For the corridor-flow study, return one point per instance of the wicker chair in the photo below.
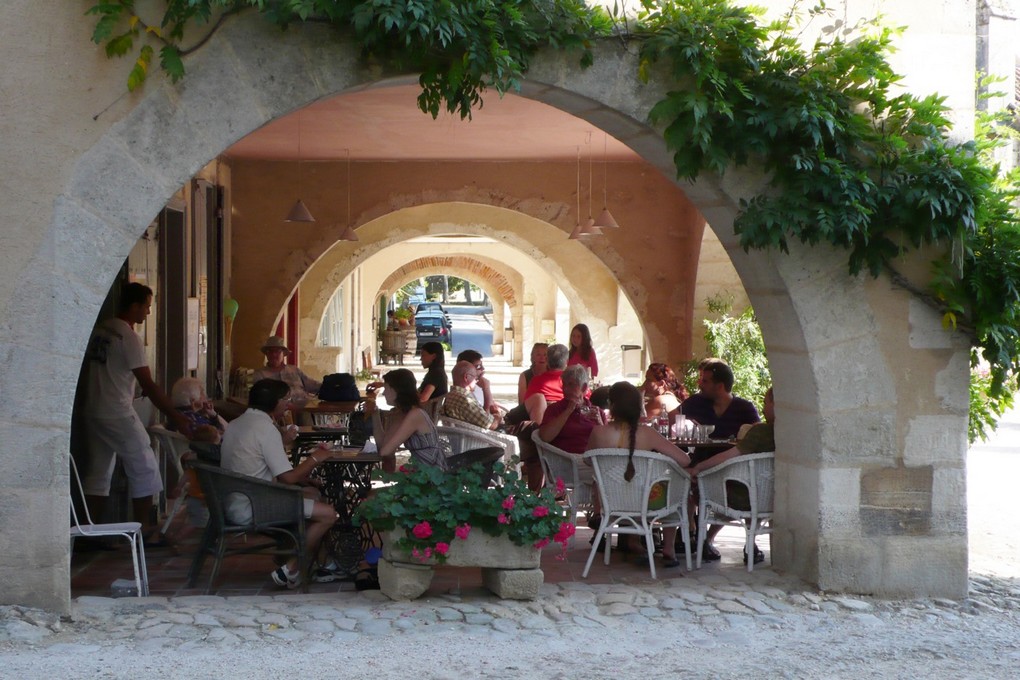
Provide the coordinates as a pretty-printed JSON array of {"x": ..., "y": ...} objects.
[
  {"x": 755, "y": 471},
  {"x": 625, "y": 505},
  {"x": 558, "y": 464},
  {"x": 511, "y": 445},
  {"x": 277, "y": 514}
]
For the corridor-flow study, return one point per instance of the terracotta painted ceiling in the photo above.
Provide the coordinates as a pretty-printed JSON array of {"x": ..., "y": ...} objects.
[{"x": 384, "y": 123}]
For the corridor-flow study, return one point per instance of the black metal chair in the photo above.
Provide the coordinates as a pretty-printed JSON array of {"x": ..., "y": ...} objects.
[{"x": 277, "y": 513}]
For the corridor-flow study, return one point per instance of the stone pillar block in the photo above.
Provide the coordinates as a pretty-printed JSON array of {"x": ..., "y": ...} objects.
[
  {"x": 399, "y": 581},
  {"x": 513, "y": 584}
]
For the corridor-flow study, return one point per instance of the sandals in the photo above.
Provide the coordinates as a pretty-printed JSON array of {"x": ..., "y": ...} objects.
[{"x": 670, "y": 562}]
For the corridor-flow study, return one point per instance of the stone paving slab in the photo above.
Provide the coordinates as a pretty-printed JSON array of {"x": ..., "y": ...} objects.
[{"x": 720, "y": 605}]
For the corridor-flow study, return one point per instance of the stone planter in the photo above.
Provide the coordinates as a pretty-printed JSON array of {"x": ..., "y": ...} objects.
[{"x": 508, "y": 570}]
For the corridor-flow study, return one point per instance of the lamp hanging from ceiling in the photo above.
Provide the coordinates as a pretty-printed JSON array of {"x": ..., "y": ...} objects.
[
  {"x": 300, "y": 212},
  {"x": 589, "y": 225},
  {"x": 605, "y": 217},
  {"x": 348, "y": 234},
  {"x": 578, "y": 231}
]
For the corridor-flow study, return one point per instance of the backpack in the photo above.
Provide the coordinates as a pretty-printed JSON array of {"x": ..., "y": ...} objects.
[{"x": 339, "y": 387}]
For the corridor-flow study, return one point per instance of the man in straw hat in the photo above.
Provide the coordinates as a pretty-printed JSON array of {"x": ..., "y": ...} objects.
[{"x": 302, "y": 388}]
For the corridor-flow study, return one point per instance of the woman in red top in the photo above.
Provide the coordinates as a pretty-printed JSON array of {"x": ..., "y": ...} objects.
[{"x": 581, "y": 351}]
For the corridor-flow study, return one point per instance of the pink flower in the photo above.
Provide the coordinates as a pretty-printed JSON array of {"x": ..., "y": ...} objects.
[
  {"x": 428, "y": 553},
  {"x": 560, "y": 486},
  {"x": 442, "y": 548},
  {"x": 503, "y": 519},
  {"x": 540, "y": 511},
  {"x": 508, "y": 504},
  {"x": 563, "y": 535},
  {"x": 462, "y": 531},
  {"x": 404, "y": 469},
  {"x": 541, "y": 544},
  {"x": 422, "y": 531},
  {"x": 416, "y": 554}
]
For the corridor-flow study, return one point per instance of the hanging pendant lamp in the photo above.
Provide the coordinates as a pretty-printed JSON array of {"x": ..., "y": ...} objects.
[
  {"x": 590, "y": 227},
  {"x": 578, "y": 231},
  {"x": 348, "y": 233},
  {"x": 606, "y": 218},
  {"x": 300, "y": 212}
]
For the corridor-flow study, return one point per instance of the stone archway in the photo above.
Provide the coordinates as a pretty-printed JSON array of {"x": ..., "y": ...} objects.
[{"x": 867, "y": 384}]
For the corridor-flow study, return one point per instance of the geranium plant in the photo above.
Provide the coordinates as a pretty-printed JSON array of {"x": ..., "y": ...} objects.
[{"x": 433, "y": 509}]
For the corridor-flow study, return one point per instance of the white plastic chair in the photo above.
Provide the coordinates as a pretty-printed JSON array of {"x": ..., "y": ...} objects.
[
  {"x": 756, "y": 471},
  {"x": 559, "y": 464},
  {"x": 172, "y": 447},
  {"x": 511, "y": 445},
  {"x": 625, "y": 504},
  {"x": 132, "y": 531}
]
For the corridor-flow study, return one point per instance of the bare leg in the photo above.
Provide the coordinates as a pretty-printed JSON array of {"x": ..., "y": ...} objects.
[{"x": 323, "y": 517}]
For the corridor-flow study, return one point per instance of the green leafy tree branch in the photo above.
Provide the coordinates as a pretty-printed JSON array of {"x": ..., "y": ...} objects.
[{"x": 851, "y": 160}]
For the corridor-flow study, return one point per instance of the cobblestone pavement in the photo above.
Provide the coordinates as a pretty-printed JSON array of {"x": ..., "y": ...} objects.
[{"x": 746, "y": 623}]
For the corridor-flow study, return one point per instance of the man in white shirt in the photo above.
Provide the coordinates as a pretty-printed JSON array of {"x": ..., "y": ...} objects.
[
  {"x": 253, "y": 446},
  {"x": 116, "y": 365}
]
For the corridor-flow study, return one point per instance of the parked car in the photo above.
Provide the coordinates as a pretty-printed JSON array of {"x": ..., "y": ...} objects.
[
  {"x": 433, "y": 307},
  {"x": 430, "y": 326}
]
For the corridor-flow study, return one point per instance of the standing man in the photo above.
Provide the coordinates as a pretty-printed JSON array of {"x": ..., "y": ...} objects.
[{"x": 116, "y": 365}]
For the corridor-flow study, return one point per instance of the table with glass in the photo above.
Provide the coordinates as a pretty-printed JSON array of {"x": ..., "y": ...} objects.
[{"x": 345, "y": 479}]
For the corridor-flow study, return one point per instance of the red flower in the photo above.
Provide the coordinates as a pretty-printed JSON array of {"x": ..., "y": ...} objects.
[
  {"x": 541, "y": 544},
  {"x": 503, "y": 519},
  {"x": 442, "y": 548},
  {"x": 428, "y": 553},
  {"x": 540, "y": 511},
  {"x": 563, "y": 535},
  {"x": 560, "y": 486},
  {"x": 404, "y": 469},
  {"x": 508, "y": 504},
  {"x": 422, "y": 531},
  {"x": 462, "y": 531}
]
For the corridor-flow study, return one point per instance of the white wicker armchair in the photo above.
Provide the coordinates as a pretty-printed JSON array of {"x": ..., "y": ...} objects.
[
  {"x": 558, "y": 464},
  {"x": 510, "y": 443},
  {"x": 625, "y": 504},
  {"x": 756, "y": 471}
]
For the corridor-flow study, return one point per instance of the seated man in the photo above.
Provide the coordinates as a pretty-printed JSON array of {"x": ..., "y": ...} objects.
[
  {"x": 188, "y": 397},
  {"x": 302, "y": 387},
  {"x": 460, "y": 403},
  {"x": 546, "y": 388},
  {"x": 253, "y": 446},
  {"x": 482, "y": 390},
  {"x": 714, "y": 403},
  {"x": 759, "y": 438}
]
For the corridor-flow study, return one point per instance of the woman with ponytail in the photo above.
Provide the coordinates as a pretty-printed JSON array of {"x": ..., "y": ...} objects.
[{"x": 624, "y": 431}]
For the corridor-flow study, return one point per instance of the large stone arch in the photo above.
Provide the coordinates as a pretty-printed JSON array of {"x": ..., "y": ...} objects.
[
  {"x": 462, "y": 266},
  {"x": 871, "y": 392}
]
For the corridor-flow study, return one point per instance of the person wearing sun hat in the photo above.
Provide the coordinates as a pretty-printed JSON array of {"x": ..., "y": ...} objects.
[{"x": 302, "y": 388}]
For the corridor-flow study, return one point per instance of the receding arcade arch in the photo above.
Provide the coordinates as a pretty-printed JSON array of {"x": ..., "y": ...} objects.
[
  {"x": 867, "y": 383},
  {"x": 494, "y": 283}
]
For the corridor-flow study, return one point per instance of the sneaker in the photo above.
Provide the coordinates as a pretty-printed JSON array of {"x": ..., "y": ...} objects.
[{"x": 284, "y": 577}]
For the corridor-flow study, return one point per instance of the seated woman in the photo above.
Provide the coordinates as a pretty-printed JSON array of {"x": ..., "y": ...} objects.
[
  {"x": 624, "y": 431},
  {"x": 568, "y": 423},
  {"x": 539, "y": 365},
  {"x": 188, "y": 397},
  {"x": 408, "y": 425},
  {"x": 435, "y": 383},
  {"x": 663, "y": 392}
]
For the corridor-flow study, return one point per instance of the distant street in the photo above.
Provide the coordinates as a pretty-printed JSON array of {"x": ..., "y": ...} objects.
[{"x": 471, "y": 328}]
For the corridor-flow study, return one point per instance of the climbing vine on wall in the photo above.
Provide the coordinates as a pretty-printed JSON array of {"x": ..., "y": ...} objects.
[{"x": 851, "y": 160}]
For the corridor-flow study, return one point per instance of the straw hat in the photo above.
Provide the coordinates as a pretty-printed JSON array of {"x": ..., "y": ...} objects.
[{"x": 275, "y": 342}]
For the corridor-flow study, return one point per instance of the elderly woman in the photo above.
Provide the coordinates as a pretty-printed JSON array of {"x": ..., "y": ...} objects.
[
  {"x": 568, "y": 423},
  {"x": 624, "y": 431},
  {"x": 188, "y": 397},
  {"x": 663, "y": 392},
  {"x": 302, "y": 388}
]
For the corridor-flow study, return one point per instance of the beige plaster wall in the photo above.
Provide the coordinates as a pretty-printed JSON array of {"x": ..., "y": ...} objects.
[
  {"x": 86, "y": 167},
  {"x": 654, "y": 254}
]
